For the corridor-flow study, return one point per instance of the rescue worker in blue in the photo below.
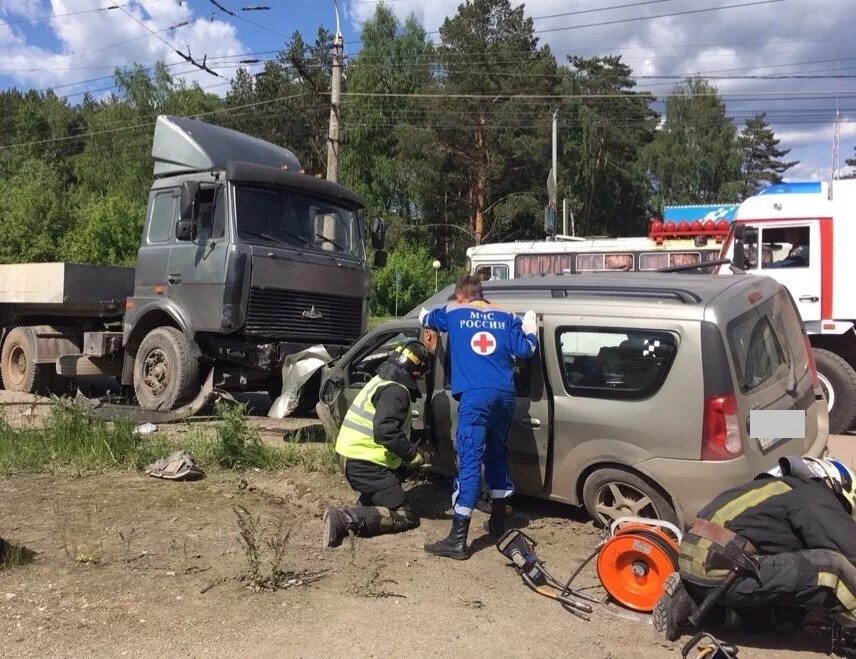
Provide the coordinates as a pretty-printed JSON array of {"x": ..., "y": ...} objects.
[
  {"x": 483, "y": 342},
  {"x": 376, "y": 451}
]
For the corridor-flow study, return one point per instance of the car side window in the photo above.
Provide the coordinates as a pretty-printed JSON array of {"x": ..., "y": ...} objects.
[
  {"x": 162, "y": 215},
  {"x": 624, "y": 364},
  {"x": 364, "y": 367},
  {"x": 756, "y": 349}
]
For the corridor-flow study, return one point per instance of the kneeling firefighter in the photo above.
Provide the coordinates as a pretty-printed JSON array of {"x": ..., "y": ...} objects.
[
  {"x": 768, "y": 551},
  {"x": 375, "y": 449}
]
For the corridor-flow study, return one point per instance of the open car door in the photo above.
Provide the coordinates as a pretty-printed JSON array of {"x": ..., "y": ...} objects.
[{"x": 342, "y": 380}]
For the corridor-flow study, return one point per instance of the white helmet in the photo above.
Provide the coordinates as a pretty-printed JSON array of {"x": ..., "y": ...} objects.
[{"x": 839, "y": 477}]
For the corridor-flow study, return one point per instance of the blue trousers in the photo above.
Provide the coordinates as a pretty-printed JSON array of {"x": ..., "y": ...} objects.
[{"x": 484, "y": 417}]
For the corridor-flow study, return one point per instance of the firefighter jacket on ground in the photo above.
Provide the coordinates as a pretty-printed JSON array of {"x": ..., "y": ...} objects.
[{"x": 377, "y": 425}]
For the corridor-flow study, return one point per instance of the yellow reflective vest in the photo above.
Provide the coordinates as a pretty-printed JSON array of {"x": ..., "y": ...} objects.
[{"x": 356, "y": 436}]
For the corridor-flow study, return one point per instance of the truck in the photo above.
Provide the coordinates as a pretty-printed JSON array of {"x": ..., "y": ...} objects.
[
  {"x": 792, "y": 226},
  {"x": 244, "y": 260}
]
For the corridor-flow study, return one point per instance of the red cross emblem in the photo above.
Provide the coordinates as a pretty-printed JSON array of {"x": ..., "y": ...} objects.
[{"x": 483, "y": 343}]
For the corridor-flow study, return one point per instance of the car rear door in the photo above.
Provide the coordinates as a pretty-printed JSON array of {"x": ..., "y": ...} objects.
[{"x": 771, "y": 371}]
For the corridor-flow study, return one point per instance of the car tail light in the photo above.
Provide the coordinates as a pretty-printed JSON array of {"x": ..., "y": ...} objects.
[
  {"x": 811, "y": 363},
  {"x": 721, "y": 438}
]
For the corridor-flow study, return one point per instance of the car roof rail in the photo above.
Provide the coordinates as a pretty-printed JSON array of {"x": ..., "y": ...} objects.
[{"x": 562, "y": 290}]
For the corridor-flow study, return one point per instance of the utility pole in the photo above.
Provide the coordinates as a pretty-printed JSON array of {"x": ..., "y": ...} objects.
[
  {"x": 550, "y": 215},
  {"x": 836, "y": 140},
  {"x": 555, "y": 149},
  {"x": 333, "y": 140}
]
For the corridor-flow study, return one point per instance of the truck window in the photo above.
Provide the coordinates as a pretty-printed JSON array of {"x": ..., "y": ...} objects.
[
  {"x": 273, "y": 216},
  {"x": 756, "y": 349},
  {"x": 624, "y": 364},
  {"x": 787, "y": 247},
  {"x": 162, "y": 216}
]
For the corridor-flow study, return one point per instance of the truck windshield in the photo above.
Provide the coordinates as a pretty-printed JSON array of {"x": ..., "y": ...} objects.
[{"x": 272, "y": 216}]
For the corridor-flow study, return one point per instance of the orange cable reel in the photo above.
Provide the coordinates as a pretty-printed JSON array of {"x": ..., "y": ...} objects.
[{"x": 635, "y": 561}]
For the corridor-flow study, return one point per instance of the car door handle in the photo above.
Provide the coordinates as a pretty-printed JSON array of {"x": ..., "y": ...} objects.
[
  {"x": 173, "y": 279},
  {"x": 809, "y": 298},
  {"x": 530, "y": 422}
]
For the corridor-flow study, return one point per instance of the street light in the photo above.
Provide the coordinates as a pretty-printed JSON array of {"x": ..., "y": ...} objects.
[{"x": 436, "y": 265}]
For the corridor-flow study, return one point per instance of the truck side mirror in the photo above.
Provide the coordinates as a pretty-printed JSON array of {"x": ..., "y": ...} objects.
[
  {"x": 187, "y": 210},
  {"x": 184, "y": 230},
  {"x": 380, "y": 258},
  {"x": 378, "y": 233}
]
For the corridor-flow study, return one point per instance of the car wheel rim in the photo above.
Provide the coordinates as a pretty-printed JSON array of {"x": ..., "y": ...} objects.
[
  {"x": 616, "y": 500},
  {"x": 156, "y": 372},
  {"x": 828, "y": 391},
  {"x": 17, "y": 370}
]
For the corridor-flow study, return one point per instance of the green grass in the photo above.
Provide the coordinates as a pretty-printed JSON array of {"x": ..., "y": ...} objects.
[{"x": 71, "y": 442}]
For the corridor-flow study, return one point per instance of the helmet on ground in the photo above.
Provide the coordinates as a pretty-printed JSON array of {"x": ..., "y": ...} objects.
[
  {"x": 413, "y": 357},
  {"x": 840, "y": 478}
]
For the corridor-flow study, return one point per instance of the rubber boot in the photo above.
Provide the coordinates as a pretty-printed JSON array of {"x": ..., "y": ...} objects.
[
  {"x": 673, "y": 609},
  {"x": 337, "y": 524},
  {"x": 496, "y": 523},
  {"x": 455, "y": 544}
]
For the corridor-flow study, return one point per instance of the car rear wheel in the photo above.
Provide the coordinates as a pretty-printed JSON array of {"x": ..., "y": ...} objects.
[
  {"x": 838, "y": 381},
  {"x": 609, "y": 494}
]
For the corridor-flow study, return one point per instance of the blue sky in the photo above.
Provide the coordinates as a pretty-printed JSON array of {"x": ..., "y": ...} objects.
[{"x": 809, "y": 38}]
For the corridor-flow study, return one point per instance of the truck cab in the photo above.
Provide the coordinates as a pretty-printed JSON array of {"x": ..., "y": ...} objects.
[
  {"x": 244, "y": 259},
  {"x": 786, "y": 232}
]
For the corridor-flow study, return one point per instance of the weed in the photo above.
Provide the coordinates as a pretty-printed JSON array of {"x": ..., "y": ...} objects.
[
  {"x": 238, "y": 446},
  {"x": 263, "y": 545}
]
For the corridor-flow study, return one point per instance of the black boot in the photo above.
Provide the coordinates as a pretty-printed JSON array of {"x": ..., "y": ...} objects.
[
  {"x": 496, "y": 523},
  {"x": 337, "y": 524},
  {"x": 673, "y": 609},
  {"x": 455, "y": 544}
]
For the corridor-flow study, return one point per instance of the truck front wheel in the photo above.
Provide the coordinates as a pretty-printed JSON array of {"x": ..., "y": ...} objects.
[
  {"x": 838, "y": 381},
  {"x": 18, "y": 365},
  {"x": 166, "y": 372}
]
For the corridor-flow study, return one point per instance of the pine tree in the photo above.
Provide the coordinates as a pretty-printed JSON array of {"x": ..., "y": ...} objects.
[
  {"x": 695, "y": 157},
  {"x": 762, "y": 157}
]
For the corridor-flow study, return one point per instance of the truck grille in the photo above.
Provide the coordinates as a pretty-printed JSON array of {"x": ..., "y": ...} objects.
[{"x": 305, "y": 317}]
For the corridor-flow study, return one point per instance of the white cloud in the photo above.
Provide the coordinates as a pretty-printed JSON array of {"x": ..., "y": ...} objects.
[
  {"x": 755, "y": 40},
  {"x": 85, "y": 42},
  {"x": 22, "y": 8}
]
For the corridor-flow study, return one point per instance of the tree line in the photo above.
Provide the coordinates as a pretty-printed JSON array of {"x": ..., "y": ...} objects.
[{"x": 448, "y": 139}]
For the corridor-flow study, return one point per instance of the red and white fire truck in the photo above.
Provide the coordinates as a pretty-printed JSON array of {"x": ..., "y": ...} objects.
[{"x": 806, "y": 237}]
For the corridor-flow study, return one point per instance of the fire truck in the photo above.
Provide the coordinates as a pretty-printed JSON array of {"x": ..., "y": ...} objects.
[{"x": 803, "y": 235}]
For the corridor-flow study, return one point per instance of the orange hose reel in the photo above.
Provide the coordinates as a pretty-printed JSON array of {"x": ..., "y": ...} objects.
[{"x": 634, "y": 563}]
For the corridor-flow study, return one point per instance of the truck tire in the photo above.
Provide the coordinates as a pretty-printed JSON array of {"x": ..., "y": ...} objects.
[
  {"x": 166, "y": 372},
  {"x": 610, "y": 493},
  {"x": 18, "y": 367},
  {"x": 838, "y": 381}
]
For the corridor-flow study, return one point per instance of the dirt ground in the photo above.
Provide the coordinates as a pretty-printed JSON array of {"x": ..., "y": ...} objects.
[{"x": 126, "y": 565}]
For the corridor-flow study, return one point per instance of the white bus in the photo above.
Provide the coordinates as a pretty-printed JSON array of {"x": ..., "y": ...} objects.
[{"x": 567, "y": 256}]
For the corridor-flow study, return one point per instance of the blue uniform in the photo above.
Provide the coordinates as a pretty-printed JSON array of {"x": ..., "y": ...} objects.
[{"x": 483, "y": 340}]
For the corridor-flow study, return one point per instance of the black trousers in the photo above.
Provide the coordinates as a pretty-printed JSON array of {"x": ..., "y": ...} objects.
[
  {"x": 382, "y": 505},
  {"x": 815, "y": 579}
]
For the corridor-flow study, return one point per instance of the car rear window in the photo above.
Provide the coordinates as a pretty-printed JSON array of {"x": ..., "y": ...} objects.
[
  {"x": 608, "y": 362},
  {"x": 766, "y": 343}
]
